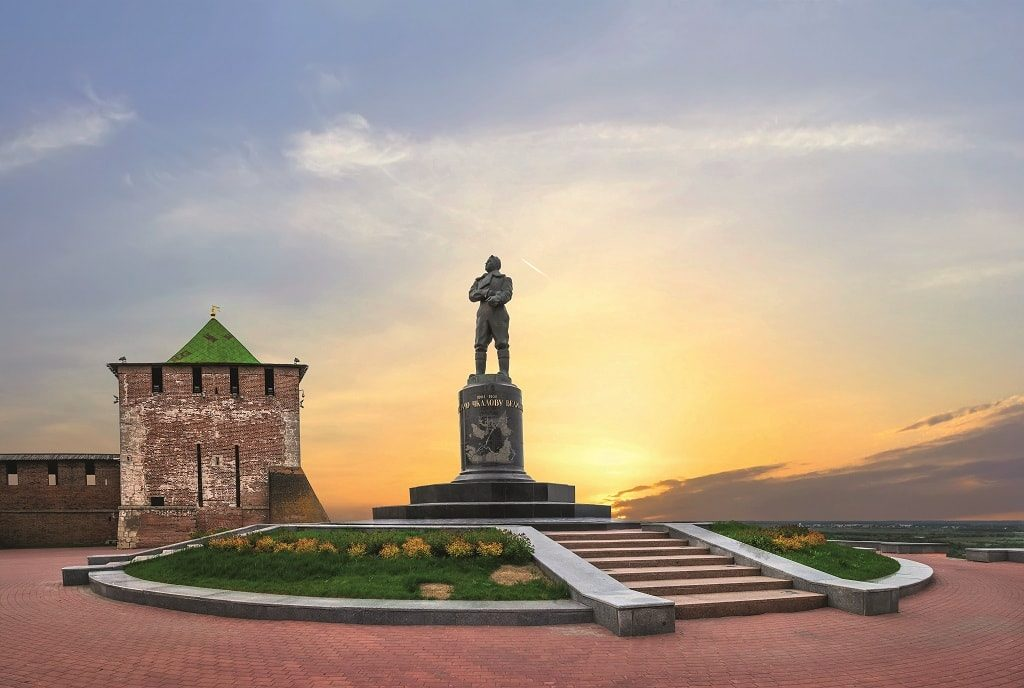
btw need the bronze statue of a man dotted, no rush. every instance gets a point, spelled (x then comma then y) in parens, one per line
(493, 290)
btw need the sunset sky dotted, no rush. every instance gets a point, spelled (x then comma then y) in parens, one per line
(768, 258)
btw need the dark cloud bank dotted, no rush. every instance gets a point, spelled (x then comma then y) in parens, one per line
(974, 473)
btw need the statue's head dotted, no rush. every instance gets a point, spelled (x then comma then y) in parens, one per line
(493, 263)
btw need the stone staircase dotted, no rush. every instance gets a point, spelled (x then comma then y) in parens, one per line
(702, 585)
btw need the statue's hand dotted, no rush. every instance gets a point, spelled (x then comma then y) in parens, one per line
(494, 300)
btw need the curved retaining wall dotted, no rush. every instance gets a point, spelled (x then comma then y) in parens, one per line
(118, 585)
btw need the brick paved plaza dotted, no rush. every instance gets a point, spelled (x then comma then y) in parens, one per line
(966, 630)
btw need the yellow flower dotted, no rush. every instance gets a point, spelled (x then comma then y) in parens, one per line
(356, 549)
(306, 545)
(236, 543)
(799, 542)
(283, 547)
(389, 551)
(457, 547)
(265, 544)
(415, 547)
(327, 547)
(489, 549)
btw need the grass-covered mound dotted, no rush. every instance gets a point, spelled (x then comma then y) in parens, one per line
(374, 564)
(810, 548)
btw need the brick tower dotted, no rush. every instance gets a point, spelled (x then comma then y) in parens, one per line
(209, 440)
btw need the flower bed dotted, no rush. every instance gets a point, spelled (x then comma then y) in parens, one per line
(811, 548)
(360, 563)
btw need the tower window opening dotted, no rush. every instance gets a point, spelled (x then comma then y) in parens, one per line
(12, 473)
(238, 479)
(197, 380)
(51, 473)
(234, 381)
(268, 381)
(199, 474)
(158, 379)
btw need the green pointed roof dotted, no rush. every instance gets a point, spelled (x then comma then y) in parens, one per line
(213, 344)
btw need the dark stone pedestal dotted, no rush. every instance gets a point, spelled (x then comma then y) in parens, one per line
(491, 430)
(493, 482)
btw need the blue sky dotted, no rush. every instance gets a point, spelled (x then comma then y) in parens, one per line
(795, 227)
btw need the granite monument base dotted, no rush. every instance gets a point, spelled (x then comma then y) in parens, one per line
(492, 499)
(493, 483)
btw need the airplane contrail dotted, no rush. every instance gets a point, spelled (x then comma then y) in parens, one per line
(535, 267)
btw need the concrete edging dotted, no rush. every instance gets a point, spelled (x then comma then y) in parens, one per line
(118, 585)
(898, 547)
(865, 598)
(912, 577)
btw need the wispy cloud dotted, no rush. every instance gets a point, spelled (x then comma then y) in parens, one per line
(969, 473)
(965, 275)
(82, 125)
(346, 147)
(351, 144)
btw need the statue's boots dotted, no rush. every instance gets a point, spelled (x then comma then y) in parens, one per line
(503, 361)
(481, 362)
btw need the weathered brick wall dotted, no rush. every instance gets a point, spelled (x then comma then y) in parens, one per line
(34, 513)
(34, 492)
(57, 528)
(160, 431)
(292, 499)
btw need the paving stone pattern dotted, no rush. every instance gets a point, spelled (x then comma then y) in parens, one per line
(965, 630)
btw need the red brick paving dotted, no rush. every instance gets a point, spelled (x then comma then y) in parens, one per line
(965, 630)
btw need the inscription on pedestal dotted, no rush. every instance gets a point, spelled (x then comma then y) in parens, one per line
(491, 421)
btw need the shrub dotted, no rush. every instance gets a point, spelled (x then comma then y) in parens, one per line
(457, 547)
(283, 547)
(518, 548)
(489, 549)
(265, 544)
(356, 549)
(799, 542)
(306, 545)
(236, 543)
(327, 548)
(389, 551)
(415, 547)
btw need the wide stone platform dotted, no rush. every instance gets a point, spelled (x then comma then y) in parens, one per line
(494, 509)
(491, 499)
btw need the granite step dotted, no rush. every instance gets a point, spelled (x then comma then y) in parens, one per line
(605, 553)
(650, 573)
(717, 604)
(636, 534)
(694, 586)
(612, 544)
(672, 560)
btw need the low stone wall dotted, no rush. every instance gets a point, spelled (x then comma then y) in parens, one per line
(118, 585)
(989, 554)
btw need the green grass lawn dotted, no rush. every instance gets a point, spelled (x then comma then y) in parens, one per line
(839, 560)
(323, 574)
